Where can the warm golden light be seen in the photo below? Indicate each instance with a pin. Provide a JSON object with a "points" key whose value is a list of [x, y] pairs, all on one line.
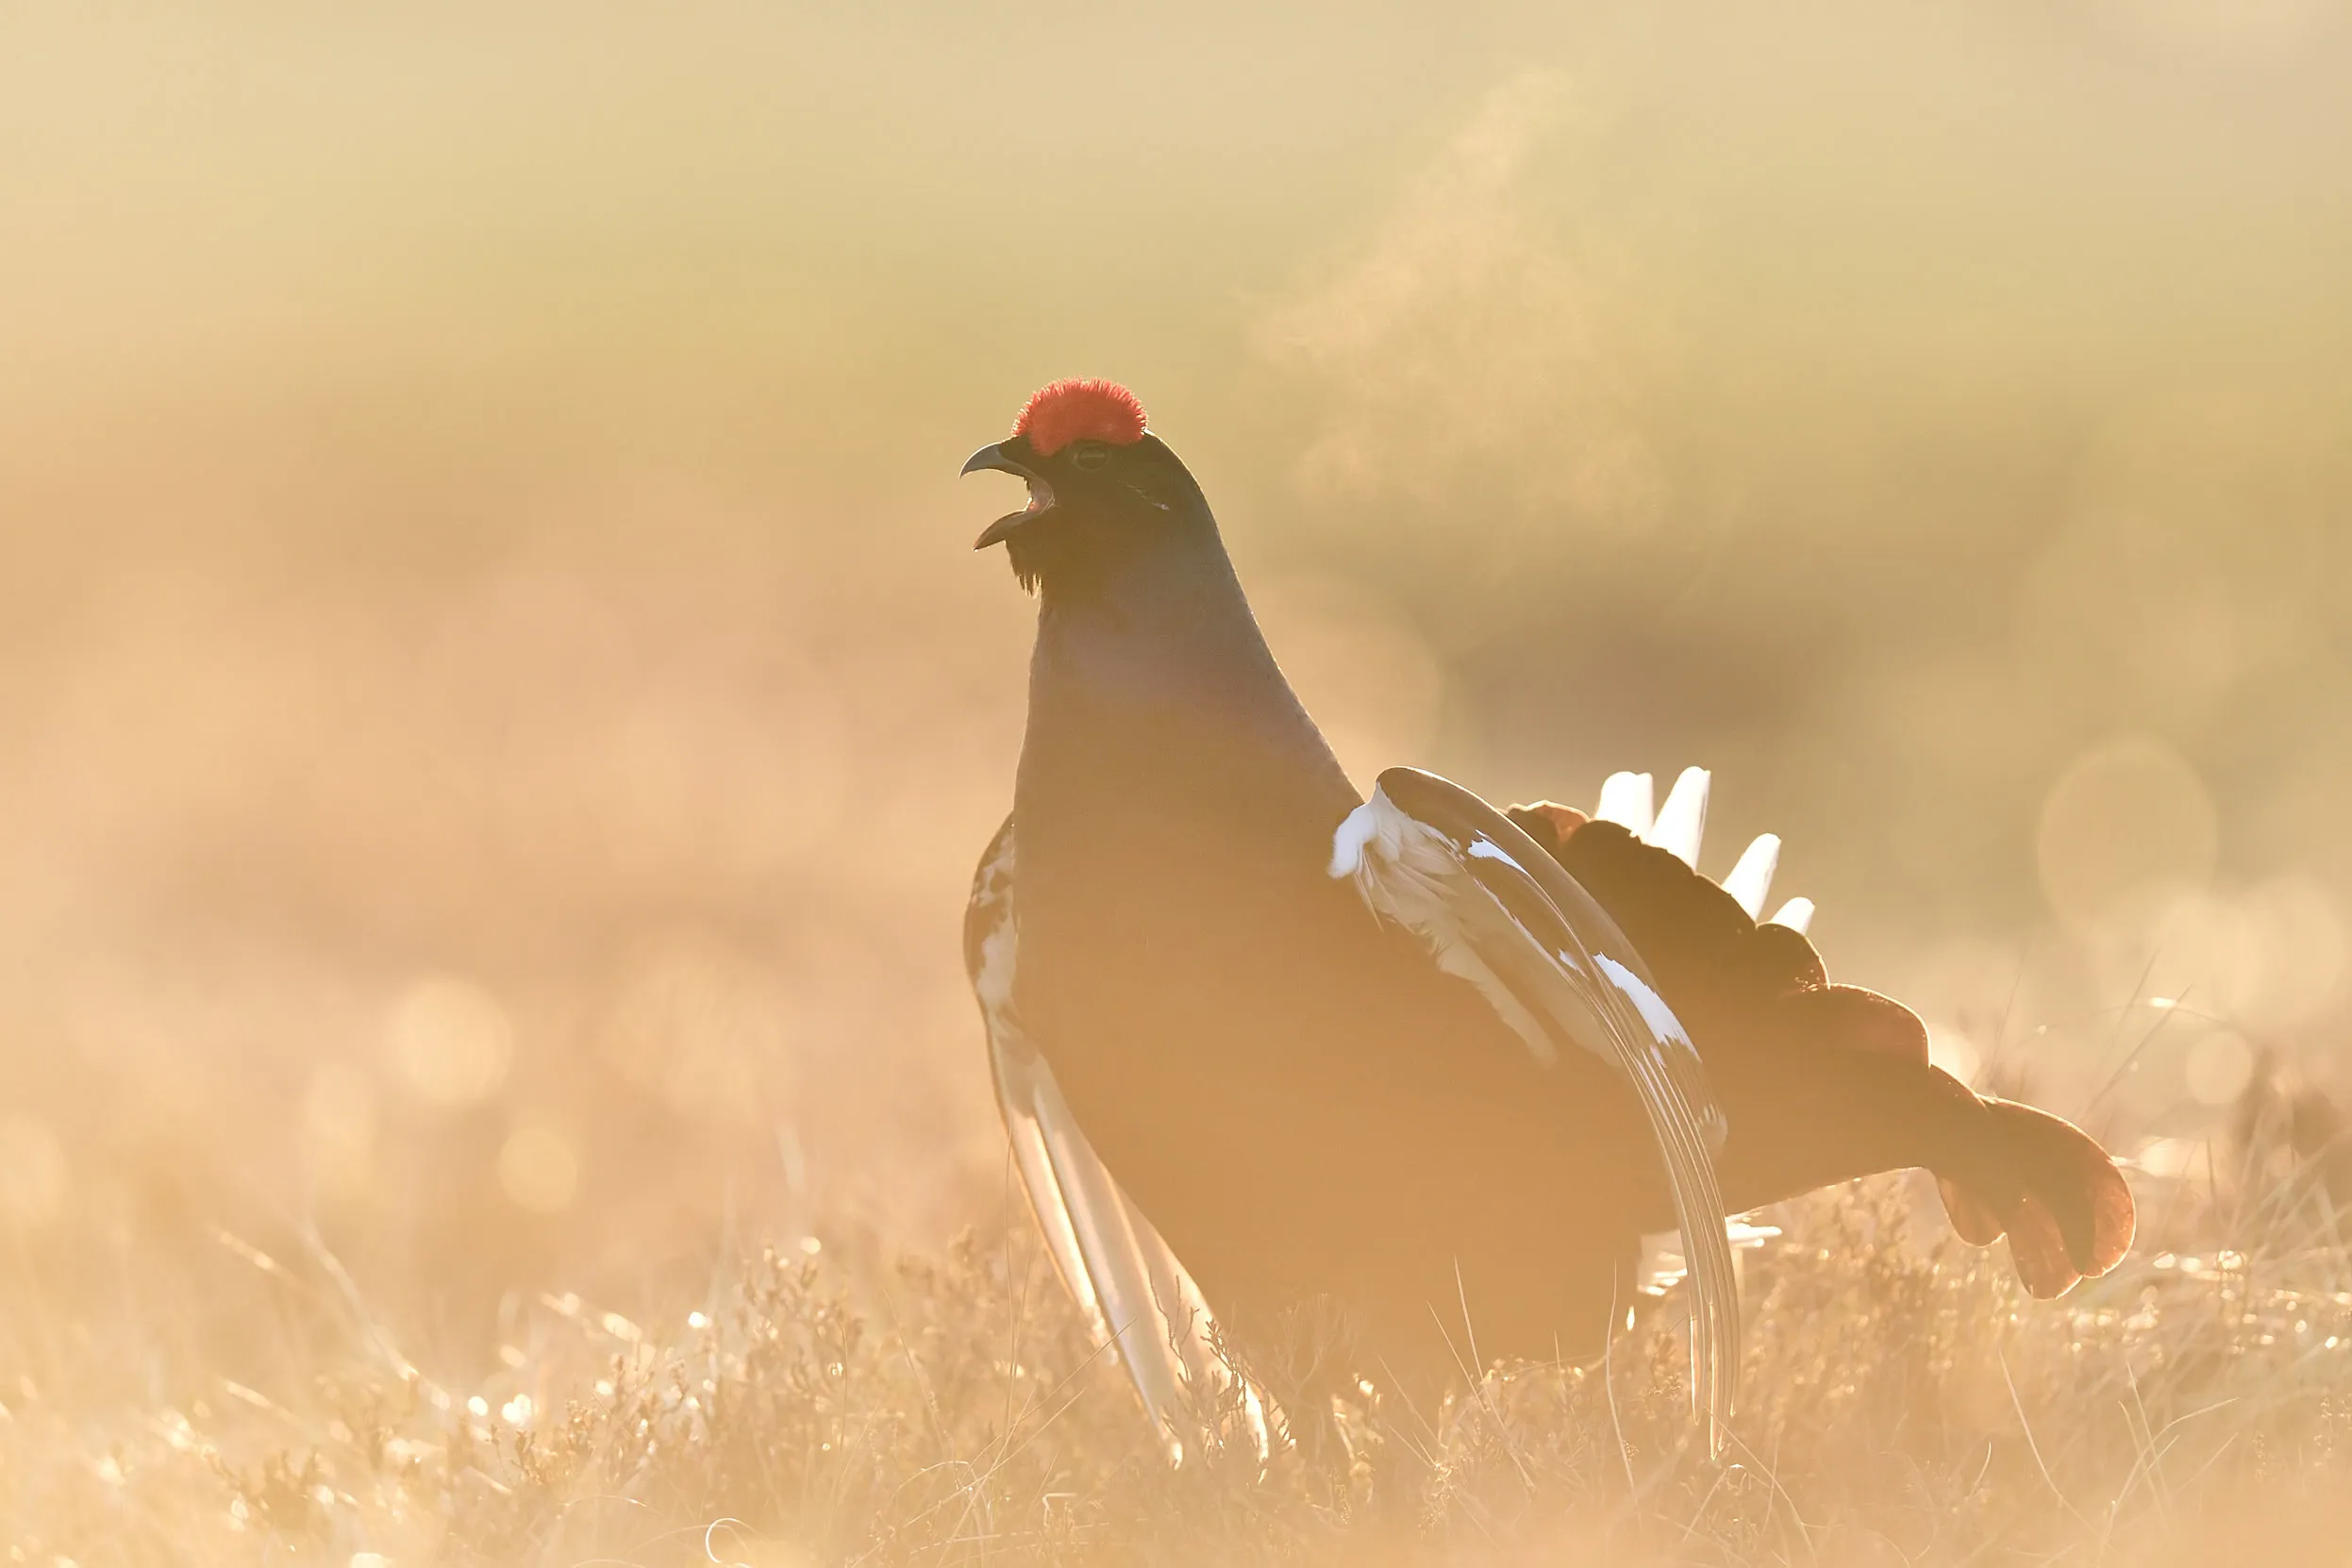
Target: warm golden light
{"points": [[497, 715]]}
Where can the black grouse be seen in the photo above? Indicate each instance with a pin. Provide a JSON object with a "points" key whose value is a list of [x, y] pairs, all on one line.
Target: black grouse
{"points": [[1261, 1042]]}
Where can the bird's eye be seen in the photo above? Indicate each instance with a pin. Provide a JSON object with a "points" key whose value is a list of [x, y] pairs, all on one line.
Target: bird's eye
{"points": [[1088, 456]]}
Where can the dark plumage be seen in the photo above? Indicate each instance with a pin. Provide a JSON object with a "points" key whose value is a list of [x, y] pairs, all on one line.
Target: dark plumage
{"points": [[1822, 1083], [1458, 1101]]}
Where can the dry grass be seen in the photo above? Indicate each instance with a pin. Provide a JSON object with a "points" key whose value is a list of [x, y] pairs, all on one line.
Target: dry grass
{"points": [[1904, 1403]]}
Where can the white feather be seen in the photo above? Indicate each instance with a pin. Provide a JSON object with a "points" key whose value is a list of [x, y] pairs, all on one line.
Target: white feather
{"points": [[1796, 915], [1681, 822], [1751, 879], [1402, 866], [1626, 801], [1354, 832], [1017, 1097], [1652, 1007]]}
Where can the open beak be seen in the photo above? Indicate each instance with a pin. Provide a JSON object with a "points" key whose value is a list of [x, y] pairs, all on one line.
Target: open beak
{"points": [[1041, 494]]}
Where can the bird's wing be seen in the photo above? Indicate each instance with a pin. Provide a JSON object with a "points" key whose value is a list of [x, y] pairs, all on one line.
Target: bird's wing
{"points": [[1127, 1282], [1496, 910]]}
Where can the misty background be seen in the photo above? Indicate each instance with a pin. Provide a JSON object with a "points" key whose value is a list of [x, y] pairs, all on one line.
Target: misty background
{"points": [[497, 708]]}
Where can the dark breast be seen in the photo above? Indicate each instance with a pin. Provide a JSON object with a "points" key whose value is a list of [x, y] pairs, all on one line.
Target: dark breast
{"points": [[1301, 1101]]}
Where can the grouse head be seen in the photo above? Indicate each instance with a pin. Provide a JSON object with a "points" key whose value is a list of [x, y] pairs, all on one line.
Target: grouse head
{"points": [[1108, 501]]}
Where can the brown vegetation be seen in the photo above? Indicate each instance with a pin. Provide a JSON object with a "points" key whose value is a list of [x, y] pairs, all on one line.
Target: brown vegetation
{"points": [[1904, 1403]]}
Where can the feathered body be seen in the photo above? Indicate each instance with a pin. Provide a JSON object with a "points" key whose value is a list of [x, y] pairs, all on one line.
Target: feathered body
{"points": [[1451, 1108], [1302, 1102]]}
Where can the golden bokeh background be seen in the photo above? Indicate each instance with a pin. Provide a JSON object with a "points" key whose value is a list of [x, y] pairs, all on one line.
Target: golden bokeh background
{"points": [[496, 709]]}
